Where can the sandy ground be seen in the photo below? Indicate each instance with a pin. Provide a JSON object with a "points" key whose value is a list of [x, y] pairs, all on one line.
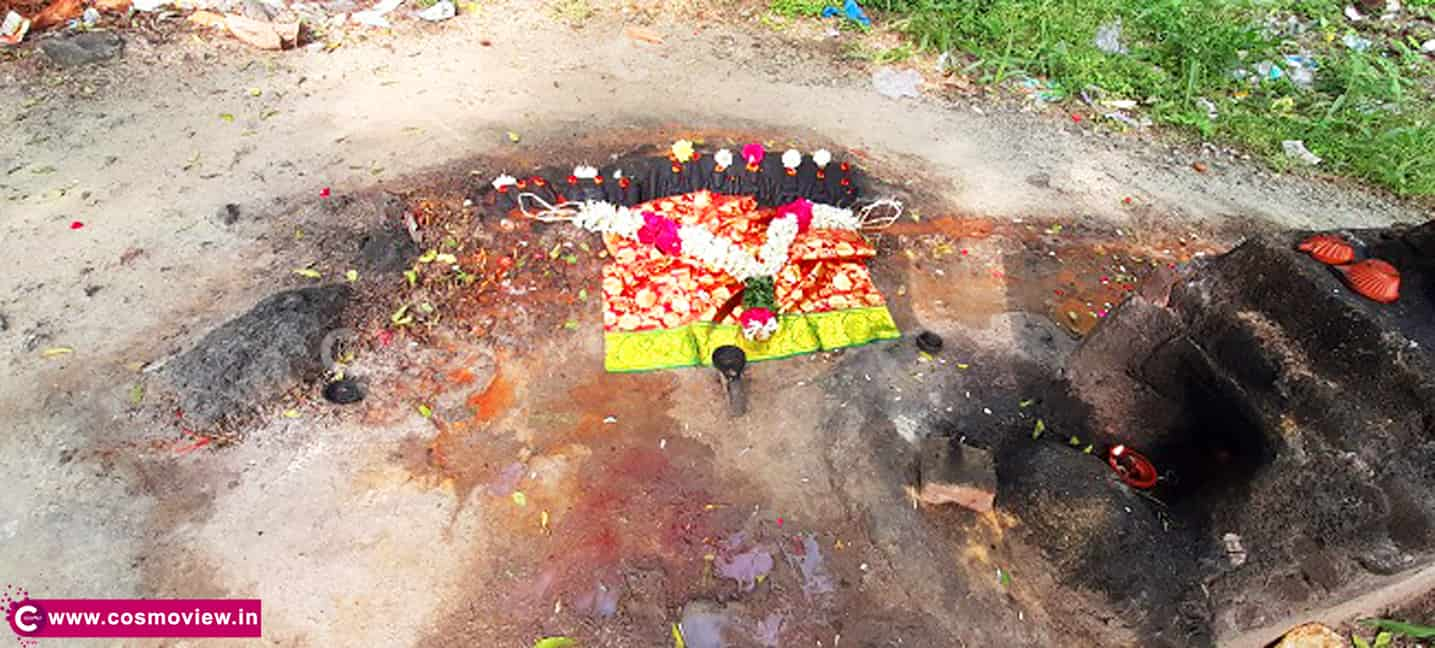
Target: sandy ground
{"points": [[337, 520]]}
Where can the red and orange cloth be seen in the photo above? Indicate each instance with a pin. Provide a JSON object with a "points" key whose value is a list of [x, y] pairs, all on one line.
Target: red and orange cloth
{"points": [[660, 309]]}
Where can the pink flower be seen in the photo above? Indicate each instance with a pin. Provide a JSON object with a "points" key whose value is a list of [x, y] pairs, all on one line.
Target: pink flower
{"points": [[668, 241], [652, 225], [800, 208], [754, 316], [660, 231], [753, 153]]}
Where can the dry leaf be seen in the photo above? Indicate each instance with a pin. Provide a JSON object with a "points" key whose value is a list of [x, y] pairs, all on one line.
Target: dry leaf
{"points": [[643, 34]]}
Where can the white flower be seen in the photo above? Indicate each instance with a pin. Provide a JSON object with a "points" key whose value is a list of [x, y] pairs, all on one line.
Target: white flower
{"points": [[760, 331], [821, 157], [829, 217], [723, 158], [504, 180], [584, 172], [791, 158], [617, 174]]}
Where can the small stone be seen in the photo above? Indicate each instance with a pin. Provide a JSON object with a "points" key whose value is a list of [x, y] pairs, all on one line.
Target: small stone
{"points": [[228, 214], [83, 48], [1200, 167], [950, 472], [343, 392], [929, 342], [1042, 180]]}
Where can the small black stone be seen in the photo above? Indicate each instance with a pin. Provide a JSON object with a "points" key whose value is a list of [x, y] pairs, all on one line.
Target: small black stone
{"points": [[228, 214], [343, 392], [929, 342]]}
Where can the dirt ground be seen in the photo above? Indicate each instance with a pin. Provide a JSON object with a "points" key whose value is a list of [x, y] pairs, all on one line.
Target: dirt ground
{"points": [[374, 525]]}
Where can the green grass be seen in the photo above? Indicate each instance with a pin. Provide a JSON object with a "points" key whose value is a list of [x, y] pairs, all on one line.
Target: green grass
{"points": [[1369, 115], [796, 8]]}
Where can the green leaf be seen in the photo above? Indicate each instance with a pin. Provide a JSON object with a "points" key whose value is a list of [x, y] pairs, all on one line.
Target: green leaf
{"points": [[1038, 429], [412, 276], [556, 642], [428, 256], [425, 411], [678, 637], [514, 137], [255, 92], [519, 498], [557, 248], [446, 258], [309, 273], [56, 351], [229, 117], [352, 275], [582, 294], [1401, 628], [1026, 403], [1359, 643], [1074, 441], [570, 258], [137, 394], [1383, 640], [570, 325], [401, 316]]}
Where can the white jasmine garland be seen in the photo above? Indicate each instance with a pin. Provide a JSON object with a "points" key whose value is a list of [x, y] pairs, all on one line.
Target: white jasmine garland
{"points": [[791, 158], [821, 157], [584, 172], [504, 180], [829, 217], [723, 158]]}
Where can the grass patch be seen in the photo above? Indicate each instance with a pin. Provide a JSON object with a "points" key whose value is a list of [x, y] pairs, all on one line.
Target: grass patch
{"points": [[797, 8], [1369, 114], [573, 12]]}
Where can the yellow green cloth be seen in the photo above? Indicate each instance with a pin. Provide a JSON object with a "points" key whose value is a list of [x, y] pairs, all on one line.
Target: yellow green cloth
{"points": [[692, 344]]}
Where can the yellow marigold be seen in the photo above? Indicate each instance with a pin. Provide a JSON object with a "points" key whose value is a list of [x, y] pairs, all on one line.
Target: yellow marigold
{"points": [[683, 150]]}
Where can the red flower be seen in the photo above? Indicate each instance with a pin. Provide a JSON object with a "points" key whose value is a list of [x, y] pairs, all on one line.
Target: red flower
{"points": [[754, 316], [753, 153], [74, 225], [324, 193]]}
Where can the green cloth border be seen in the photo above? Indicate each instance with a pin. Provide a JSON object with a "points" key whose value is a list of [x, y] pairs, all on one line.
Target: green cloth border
{"points": [[691, 345]]}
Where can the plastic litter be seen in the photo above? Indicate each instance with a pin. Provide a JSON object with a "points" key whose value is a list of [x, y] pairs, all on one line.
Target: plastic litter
{"points": [[1297, 149], [1209, 107], [895, 83], [851, 10], [376, 16], [1428, 46], [1108, 38], [1301, 69], [13, 30], [1357, 43], [439, 12]]}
